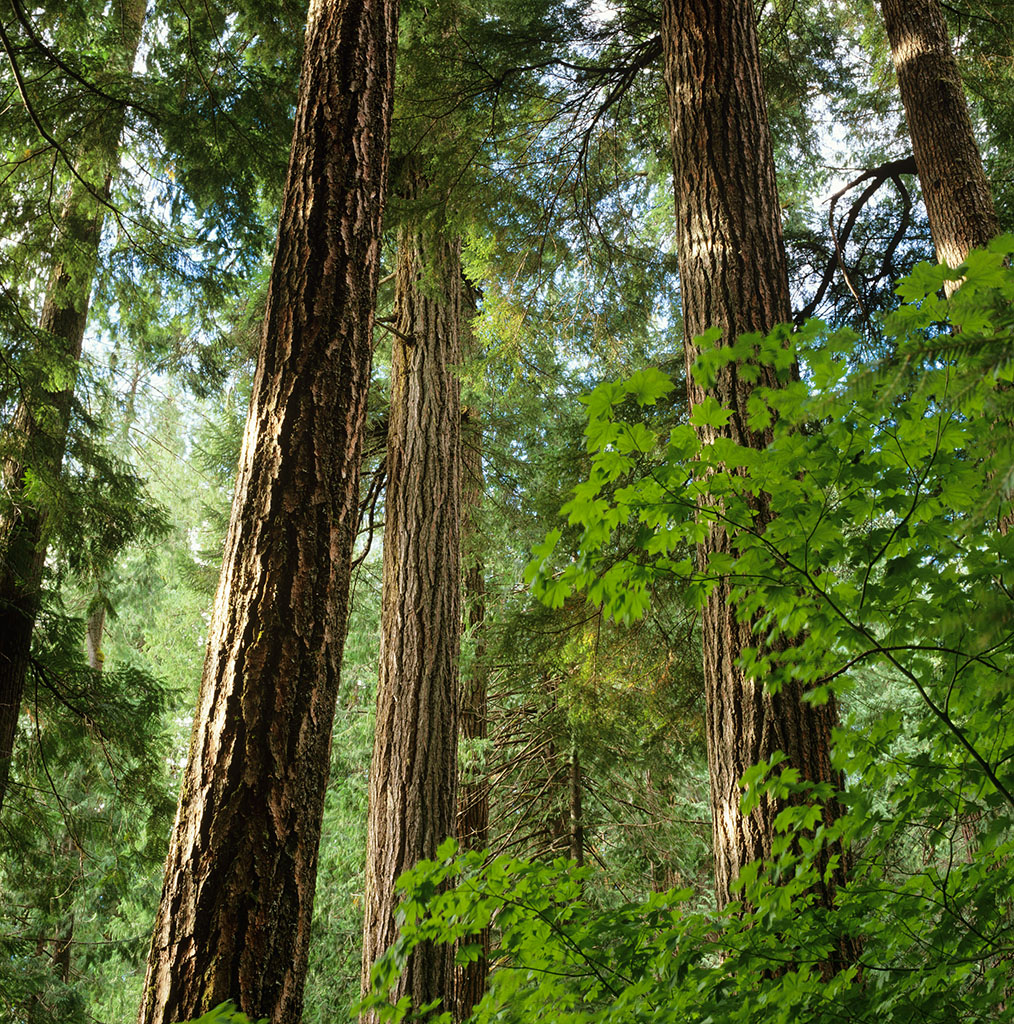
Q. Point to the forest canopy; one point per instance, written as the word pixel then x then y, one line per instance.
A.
pixel 505 511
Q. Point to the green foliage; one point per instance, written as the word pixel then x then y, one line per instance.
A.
pixel 333 974
pixel 543 131
pixel 884 563
pixel 83 832
pixel 225 1013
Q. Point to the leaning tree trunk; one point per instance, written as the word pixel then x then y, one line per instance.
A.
pixel 958 199
pixel 472 816
pixel 234 919
pixel 40 424
pixel 733 275
pixel 414 768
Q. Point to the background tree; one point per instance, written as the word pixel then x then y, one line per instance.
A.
pixel 471 819
pixel 954 186
pixel 413 775
pixel 39 426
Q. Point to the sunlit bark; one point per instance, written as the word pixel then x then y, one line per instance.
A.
pixel 234 919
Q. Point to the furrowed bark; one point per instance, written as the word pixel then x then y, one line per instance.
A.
pixel 959 202
pixel 414 768
pixel 234 919
pixel 733 275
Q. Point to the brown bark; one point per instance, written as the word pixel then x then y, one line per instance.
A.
pixel 958 199
pixel 234 919
pixel 41 423
pixel 414 768
pixel 733 275
pixel 472 816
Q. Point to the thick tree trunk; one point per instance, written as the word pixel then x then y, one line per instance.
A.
pixel 40 425
pixel 414 769
pixel 733 275
pixel 958 199
pixel 472 818
pixel 234 919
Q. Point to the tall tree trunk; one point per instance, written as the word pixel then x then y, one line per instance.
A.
pixel 414 768
pixel 733 275
pixel 472 818
pixel 958 199
pixel 41 423
pixel 234 919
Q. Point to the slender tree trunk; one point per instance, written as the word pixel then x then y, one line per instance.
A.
pixel 93 633
pixel 234 919
pixel 414 769
pixel 576 813
pixel 958 199
pixel 472 819
pixel 733 275
pixel 41 423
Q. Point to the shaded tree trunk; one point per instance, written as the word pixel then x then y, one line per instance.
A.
pixel 95 628
pixel 576 813
pixel 234 919
pixel 472 817
pixel 41 423
pixel 958 199
pixel 733 275
pixel 414 768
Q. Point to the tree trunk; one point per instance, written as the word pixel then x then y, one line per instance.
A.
pixel 472 818
pixel 414 769
pixel 41 424
pixel 576 814
pixel 64 940
pixel 958 199
pixel 93 634
pixel 234 919
pixel 733 275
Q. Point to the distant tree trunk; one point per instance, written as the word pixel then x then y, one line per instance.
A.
pixel 41 423
pixel 234 919
pixel 958 199
pixel 414 769
pixel 93 632
pixel 64 941
pixel 576 814
pixel 733 275
pixel 472 819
